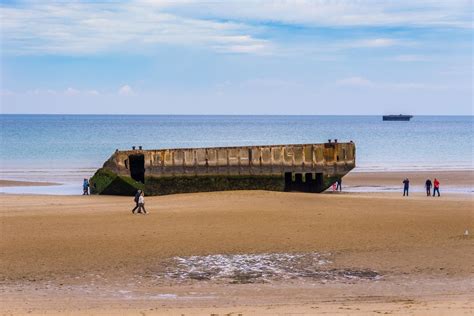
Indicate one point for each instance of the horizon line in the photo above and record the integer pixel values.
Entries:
(191, 114)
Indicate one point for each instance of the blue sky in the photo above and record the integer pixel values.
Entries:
(237, 57)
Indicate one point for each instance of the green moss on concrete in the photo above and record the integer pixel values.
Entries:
(107, 182)
(100, 180)
(188, 184)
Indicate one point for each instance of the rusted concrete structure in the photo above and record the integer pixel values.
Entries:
(305, 167)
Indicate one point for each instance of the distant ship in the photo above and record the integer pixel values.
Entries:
(399, 117)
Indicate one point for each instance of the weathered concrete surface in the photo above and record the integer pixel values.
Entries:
(305, 167)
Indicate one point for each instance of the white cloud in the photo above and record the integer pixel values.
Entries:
(42, 92)
(71, 91)
(355, 81)
(270, 83)
(75, 92)
(91, 92)
(232, 26)
(453, 13)
(89, 28)
(410, 58)
(6, 92)
(366, 83)
(126, 90)
(377, 42)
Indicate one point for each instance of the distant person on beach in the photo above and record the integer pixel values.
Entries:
(141, 203)
(428, 186)
(436, 187)
(406, 186)
(85, 187)
(334, 187)
(339, 184)
(136, 198)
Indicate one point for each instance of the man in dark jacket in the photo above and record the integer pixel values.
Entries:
(428, 186)
(406, 185)
(137, 196)
(339, 184)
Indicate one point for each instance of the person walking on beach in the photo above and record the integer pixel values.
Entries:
(141, 203)
(436, 187)
(428, 186)
(85, 187)
(135, 199)
(406, 185)
(339, 184)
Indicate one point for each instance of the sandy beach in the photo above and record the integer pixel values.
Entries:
(202, 254)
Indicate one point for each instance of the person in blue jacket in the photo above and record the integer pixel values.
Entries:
(85, 187)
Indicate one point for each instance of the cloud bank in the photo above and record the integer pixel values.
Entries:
(81, 28)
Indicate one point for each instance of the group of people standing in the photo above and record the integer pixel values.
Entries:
(428, 186)
(139, 202)
(337, 186)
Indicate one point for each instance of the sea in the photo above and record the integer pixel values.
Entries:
(67, 148)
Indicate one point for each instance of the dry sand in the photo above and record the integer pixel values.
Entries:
(90, 255)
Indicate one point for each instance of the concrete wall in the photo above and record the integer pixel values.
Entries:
(332, 159)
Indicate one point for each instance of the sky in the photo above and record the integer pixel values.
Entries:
(300, 57)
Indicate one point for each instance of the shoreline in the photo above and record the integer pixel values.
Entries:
(453, 182)
(17, 183)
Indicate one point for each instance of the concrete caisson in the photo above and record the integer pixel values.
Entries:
(298, 167)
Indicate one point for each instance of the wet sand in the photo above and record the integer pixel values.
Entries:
(385, 253)
(15, 183)
(451, 179)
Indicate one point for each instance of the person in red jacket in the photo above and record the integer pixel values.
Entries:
(436, 187)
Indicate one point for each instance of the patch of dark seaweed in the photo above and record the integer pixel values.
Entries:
(246, 278)
(200, 276)
(359, 274)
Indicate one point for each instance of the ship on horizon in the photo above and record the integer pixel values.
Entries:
(399, 117)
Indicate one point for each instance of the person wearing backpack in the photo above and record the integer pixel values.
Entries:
(135, 199)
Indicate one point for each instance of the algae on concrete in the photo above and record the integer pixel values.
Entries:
(188, 184)
(107, 182)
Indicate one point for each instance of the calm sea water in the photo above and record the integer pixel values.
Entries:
(66, 148)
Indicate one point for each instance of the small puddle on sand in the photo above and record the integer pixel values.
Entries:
(257, 268)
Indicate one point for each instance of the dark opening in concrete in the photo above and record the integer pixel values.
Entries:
(288, 181)
(137, 167)
(319, 181)
(298, 185)
(309, 182)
